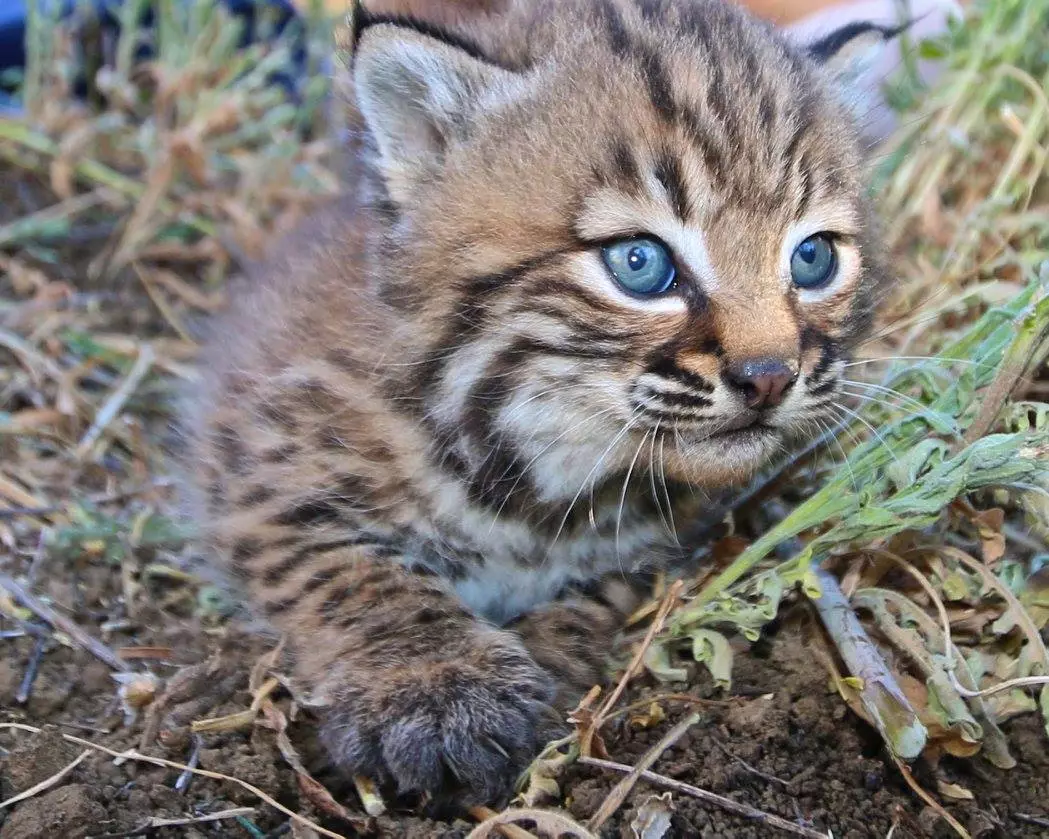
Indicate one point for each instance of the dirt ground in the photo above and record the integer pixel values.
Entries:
(783, 743)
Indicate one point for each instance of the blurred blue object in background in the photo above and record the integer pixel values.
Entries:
(14, 13)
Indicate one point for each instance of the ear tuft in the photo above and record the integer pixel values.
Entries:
(419, 96)
(855, 57)
(859, 41)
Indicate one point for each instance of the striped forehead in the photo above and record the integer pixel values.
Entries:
(723, 98)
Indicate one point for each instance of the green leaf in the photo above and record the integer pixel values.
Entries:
(712, 649)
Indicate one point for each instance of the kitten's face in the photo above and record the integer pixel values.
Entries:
(650, 253)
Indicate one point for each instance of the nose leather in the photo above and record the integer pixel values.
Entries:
(762, 382)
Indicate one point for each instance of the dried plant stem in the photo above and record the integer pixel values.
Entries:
(43, 220)
(549, 821)
(750, 813)
(63, 624)
(509, 831)
(155, 823)
(880, 694)
(45, 785)
(621, 790)
(90, 170)
(928, 799)
(131, 754)
(950, 652)
(670, 599)
(116, 401)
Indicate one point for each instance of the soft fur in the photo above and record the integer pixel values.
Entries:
(435, 418)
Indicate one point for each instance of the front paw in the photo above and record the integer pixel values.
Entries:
(459, 728)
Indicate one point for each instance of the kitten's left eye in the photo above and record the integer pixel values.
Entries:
(814, 262)
(642, 266)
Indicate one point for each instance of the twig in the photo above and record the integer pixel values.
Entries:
(91, 170)
(116, 401)
(509, 831)
(39, 222)
(32, 668)
(45, 785)
(621, 790)
(182, 784)
(1039, 821)
(155, 823)
(880, 694)
(39, 557)
(132, 754)
(63, 624)
(772, 779)
(951, 654)
(28, 512)
(669, 600)
(549, 821)
(728, 804)
(1023, 618)
(928, 799)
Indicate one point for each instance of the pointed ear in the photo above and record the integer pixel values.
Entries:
(419, 96)
(851, 55)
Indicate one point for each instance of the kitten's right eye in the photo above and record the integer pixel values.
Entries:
(641, 266)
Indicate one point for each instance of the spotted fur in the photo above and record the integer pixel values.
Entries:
(435, 419)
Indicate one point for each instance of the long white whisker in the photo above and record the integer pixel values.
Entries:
(627, 426)
(910, 400)
(666, 489)
(652, 476)
(622, 498)
(873, 430)
(889, 358)
(543, 451)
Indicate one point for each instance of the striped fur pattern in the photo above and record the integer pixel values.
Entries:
(435, 421)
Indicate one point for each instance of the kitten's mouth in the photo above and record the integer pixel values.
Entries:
(747, 425)
(746, 429)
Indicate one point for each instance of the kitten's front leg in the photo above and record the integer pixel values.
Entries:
(415, 690)
(572, 638)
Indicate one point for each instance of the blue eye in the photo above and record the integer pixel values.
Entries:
(641, 266)
(814, 262)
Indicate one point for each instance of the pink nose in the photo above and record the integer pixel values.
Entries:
(762, 382)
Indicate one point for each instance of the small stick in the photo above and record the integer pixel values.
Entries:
(131, 754)
(669, 599)
(154, 823)
(45, 785)
(772, 779)
(621, 790)
(928, 799)
(182, 784)
(63, 624)
(35, 657)
(546, 821)
(509, 831)
(728, 804)
(1038, 821)
(880, 694)
(116, 401)
(213, 817)
(39, 556)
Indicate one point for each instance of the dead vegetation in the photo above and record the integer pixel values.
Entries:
(917, 532)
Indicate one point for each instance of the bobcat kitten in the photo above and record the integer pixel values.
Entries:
(596, 257)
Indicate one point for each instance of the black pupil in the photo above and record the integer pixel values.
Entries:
(807, 251)
(637, 258)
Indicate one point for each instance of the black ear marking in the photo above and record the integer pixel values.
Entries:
(857, 32)
(361, 19)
